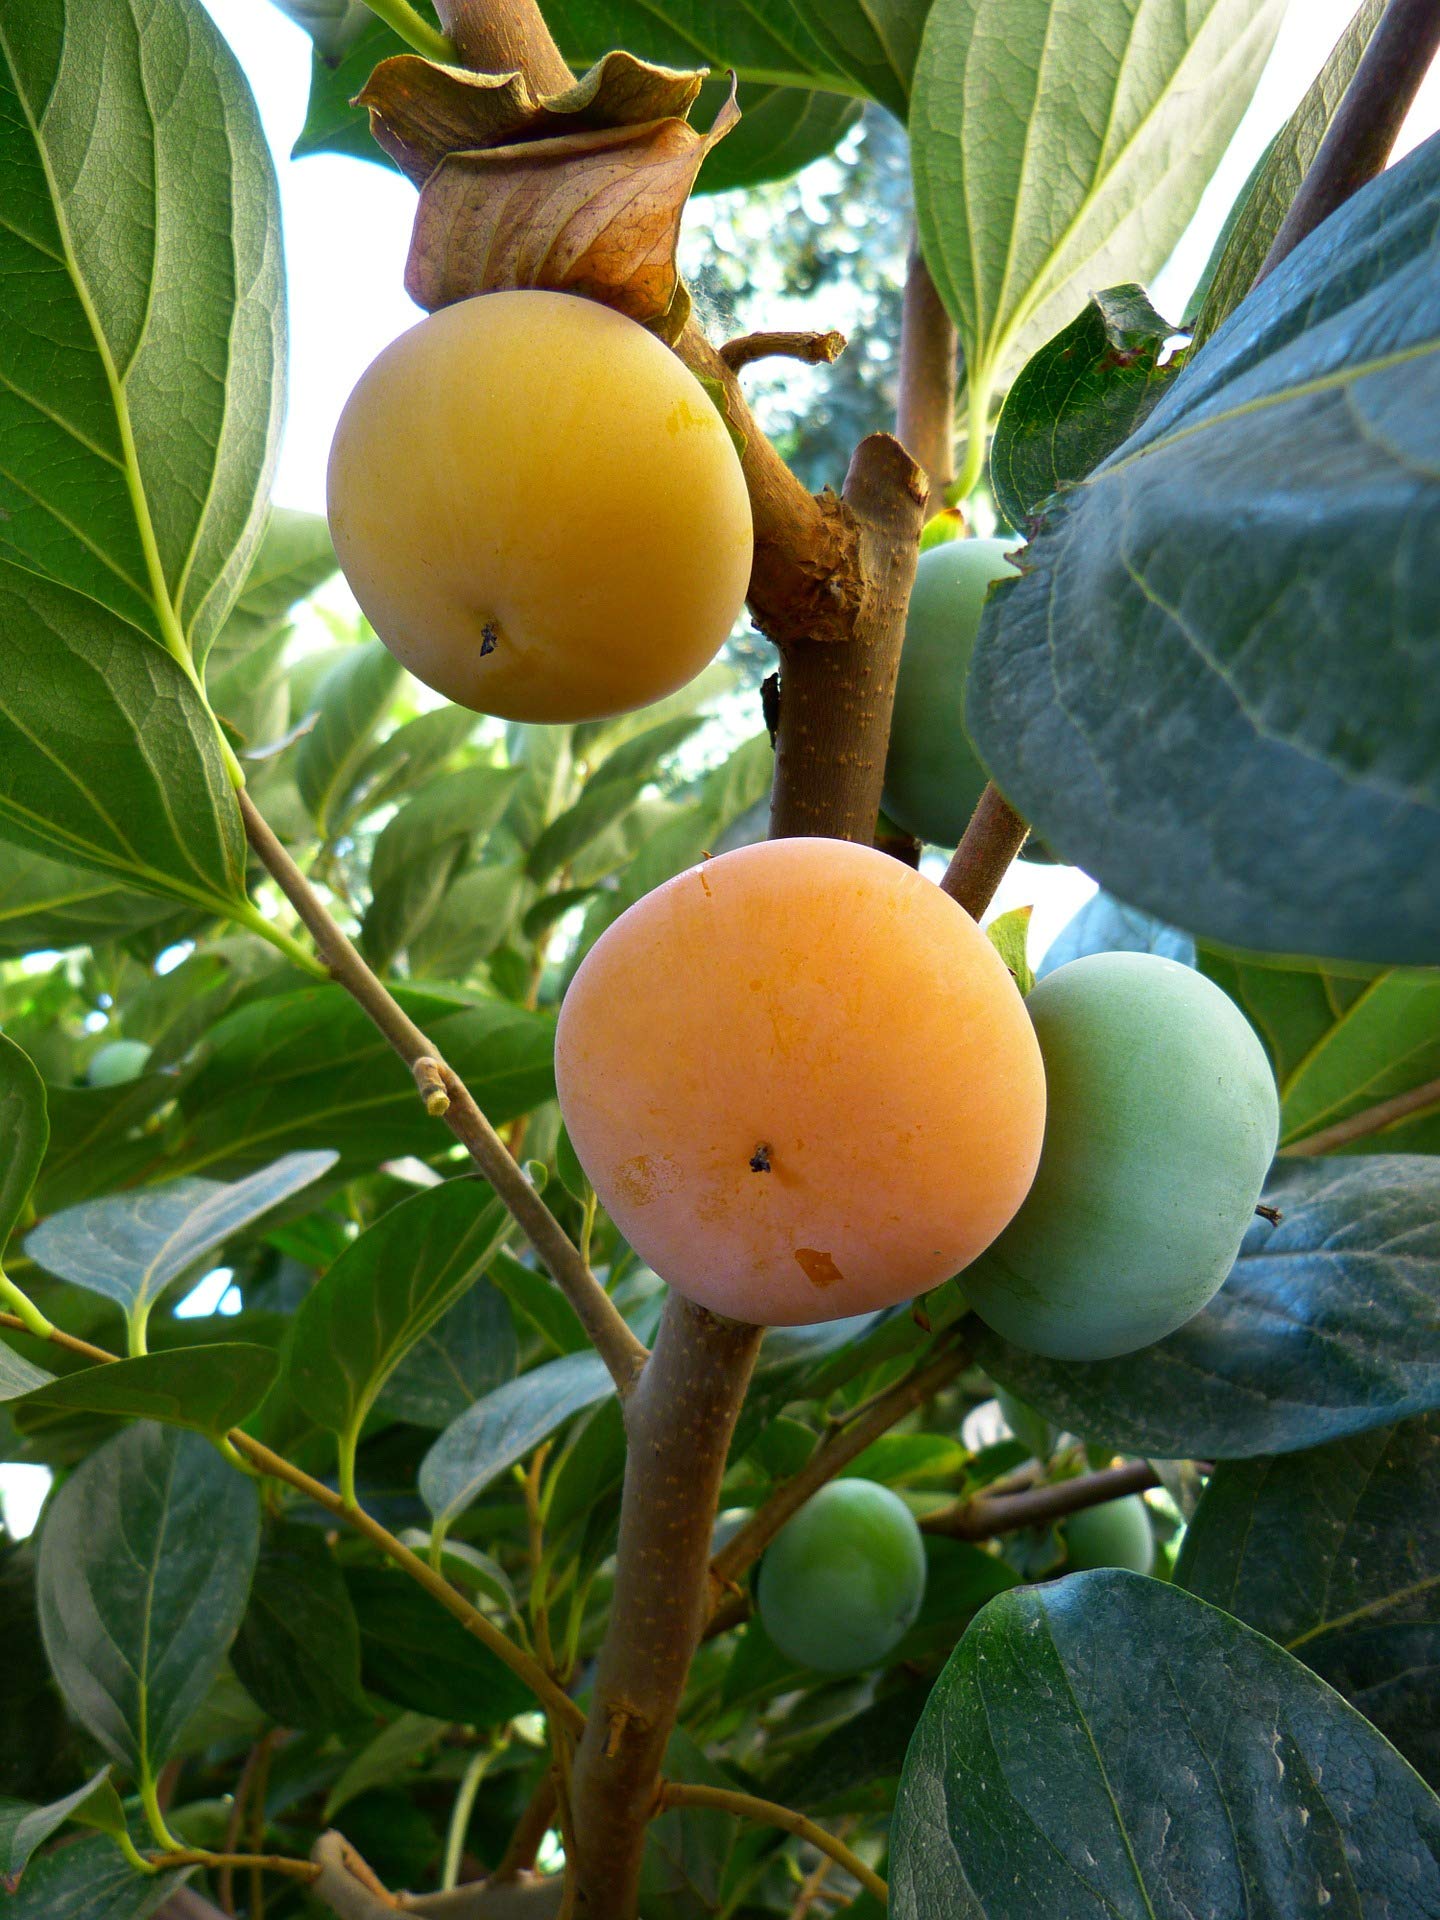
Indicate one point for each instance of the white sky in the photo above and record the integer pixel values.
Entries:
(347, 223)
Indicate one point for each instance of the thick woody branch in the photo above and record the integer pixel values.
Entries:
(1369, 118)
(446, 1096)
(814, 349)
(925, 414)
(508, 38)
(990, 843)
(679, 1421)
(1370, 1120)
(988, 1515)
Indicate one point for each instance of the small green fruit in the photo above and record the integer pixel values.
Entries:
(116, 1062)
(1116, 1534)
(1160, 1127)
(933, 776)
(842, 1583)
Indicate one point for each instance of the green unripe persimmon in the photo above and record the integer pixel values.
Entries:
(1115, 1534)
(116, 1062)
(842, 1582)
(933, 776)
(1160, 1128)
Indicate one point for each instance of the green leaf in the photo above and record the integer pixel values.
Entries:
(1266, 197)
(781, 130)
(419, 1656)
(470, 1350)
(207, 1388)
(108, 757)
(1385, 1042)
(1335, 1555)
(42, 1750)
(610, 792)
(1106, 925)
(142, 319)
(350, 702)
(1291, 1005)
(1274, 661)
(1327, 1326)
(24, 1133)
(1057, 148)
(401, 761)
(389, 1757)
(131, 1246)
(23, 1827)
(385, 1293)
(858, 1763)
(475, 916)
(421, 850)
(297, 1653)
(1034, 1786)
(1009, 934)
(686, 1848)
(45, 903)
(293, 559)
(145, 1562)
(506, 1425)
(1076, 400)
(307, 1068)
(91, 1880)
(535, 1295)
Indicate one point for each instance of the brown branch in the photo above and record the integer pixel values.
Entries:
(1368, 1121)
(1359, 139)
(830, 1458)
(990, 843)
(925, 415)
(512, 38)
(531, 1897)
(530, 1830)
(768, 1813)
(679, 1421)
(617, 1346)
(836, 696)
(257, 1862)
(225, 1886)
(815, 349)
(988, 1515)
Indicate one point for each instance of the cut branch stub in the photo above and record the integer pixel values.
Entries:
(578, 192)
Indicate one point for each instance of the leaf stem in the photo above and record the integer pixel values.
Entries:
(1368, 1121)
(460, 1815)
(154, 1818)
(990, 843)
(179, 1856)
(617, 1346)
(415, 31)
(26, 1311)
(769, 1813)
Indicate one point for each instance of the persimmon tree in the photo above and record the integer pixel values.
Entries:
(430, 1578)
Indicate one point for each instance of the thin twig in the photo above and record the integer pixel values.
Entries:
(1369, 1120)
(257, 1862)
(530, 1831)
(553, 1698)
(990, 843)
(815, 349)
(987, 1515)
(1360, 137)
(226, 1884)
(768, 1813)
(925, 406)
(830, 1458)
(617, 1346)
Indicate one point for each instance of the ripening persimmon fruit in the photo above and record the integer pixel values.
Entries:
(539, 509)
(801, 1081)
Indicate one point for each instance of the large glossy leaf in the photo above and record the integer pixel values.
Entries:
(1266, 197)
(1291, 1006)
(298, 1649)
(419, 1656)
(108, 757)
(468, 1352)
(1106, 925)
(1037, 1784)
(1275, 652)
(91, 1880)
(1386, 1041)
(45, 903)
(132, 1246)
(207, 1388)
(1335, 1555)
(142, 315)
(1062, 145)
(42, 1750)
(385, 1293)
(1076, 400)
(308, 1069)
(503, 1427)
(145, 1562)
(1328, 1325)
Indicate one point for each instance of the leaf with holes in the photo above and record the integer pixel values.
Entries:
(1335, 1555)
(1033, 1786)
(145, 1562)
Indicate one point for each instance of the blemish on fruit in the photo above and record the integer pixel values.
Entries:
(646, 1177)
(489, 639)
(760, 1159)
(818, 1268)
(705, 884)
(682, 414)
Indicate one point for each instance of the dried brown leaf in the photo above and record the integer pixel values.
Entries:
(421, 112)
(595, 213)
